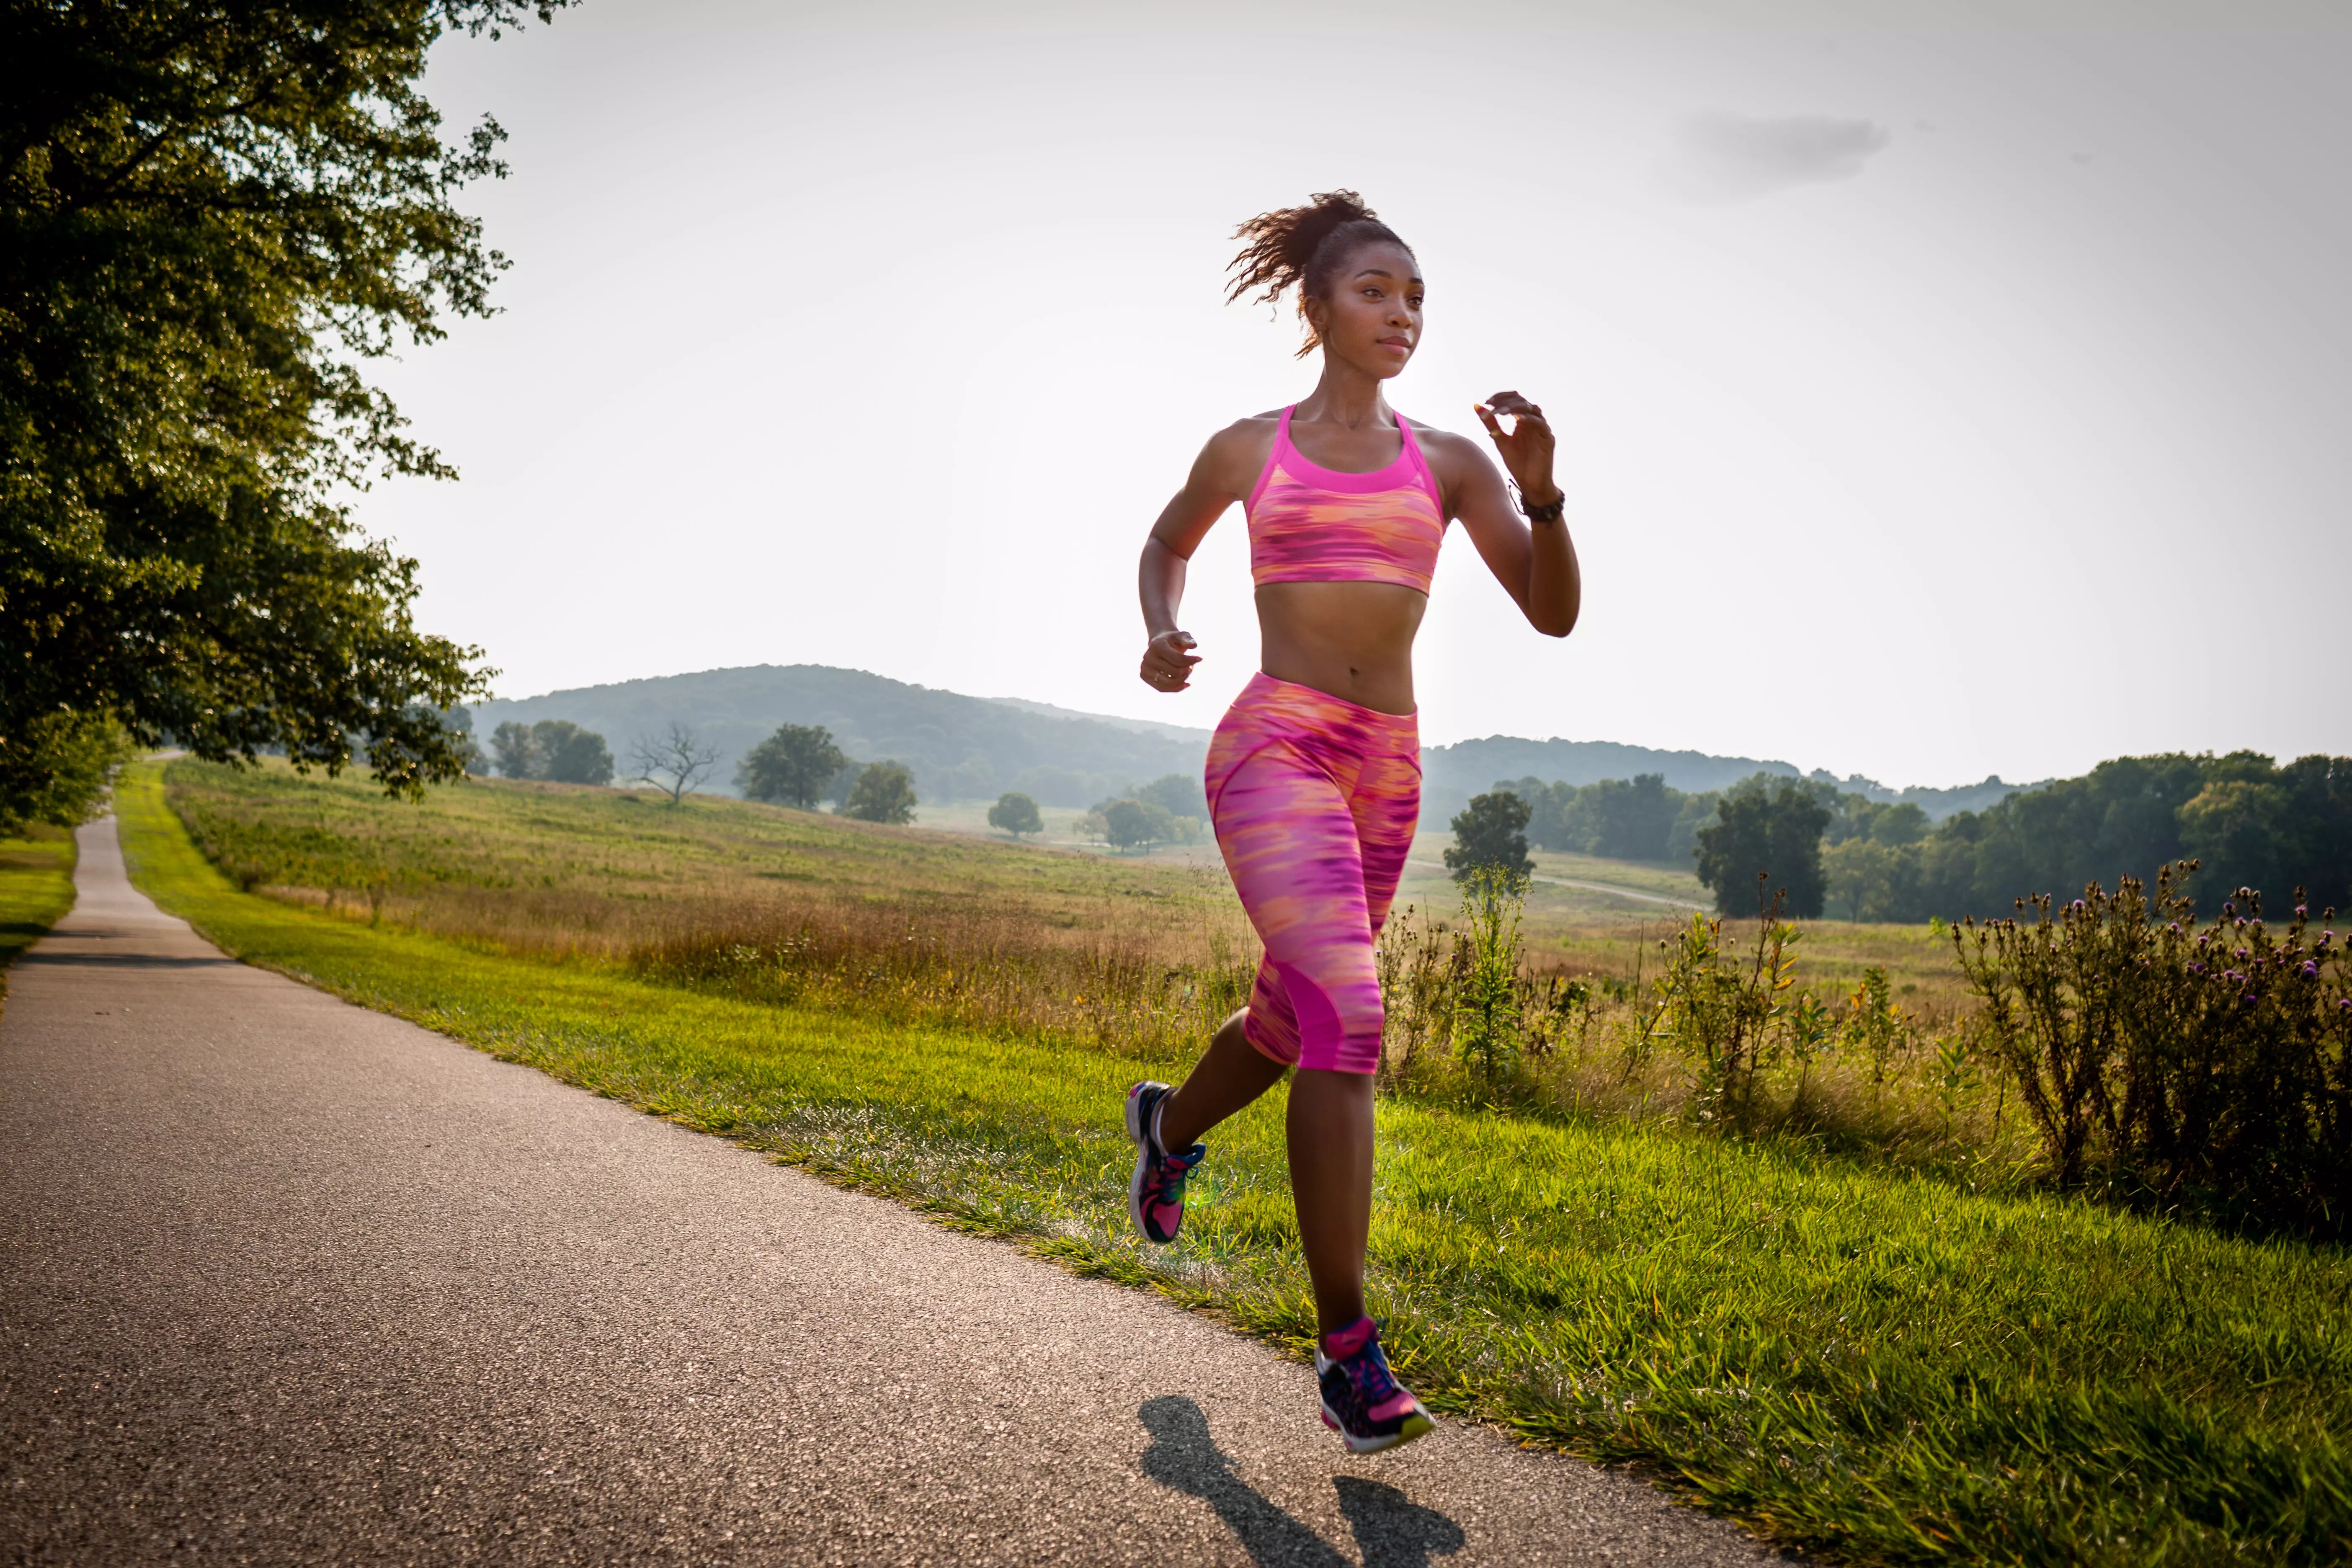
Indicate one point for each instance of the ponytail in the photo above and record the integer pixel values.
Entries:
(1300, 248)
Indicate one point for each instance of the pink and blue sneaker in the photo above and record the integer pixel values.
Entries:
(1363, 1401)
(1155, 1196)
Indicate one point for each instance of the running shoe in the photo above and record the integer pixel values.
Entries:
(1361, 1399)
(1155, 1196)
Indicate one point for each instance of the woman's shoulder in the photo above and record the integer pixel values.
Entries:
(1249, 438)
(1430, 435)
(1444, 449)
(1232, 460)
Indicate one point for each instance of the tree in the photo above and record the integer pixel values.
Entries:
(1491, 833)
(59, 772)
(210, 217)
(884, 792)
(1860, 876)
(1136, 824)
(1178, 794)
(794, 766)
(516, 749)
(675, 763)
(1769, 828)
(1016, 814)
(570, 754)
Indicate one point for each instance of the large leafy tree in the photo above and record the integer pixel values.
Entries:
(794, 766)
(212, 215)
(1491, 835)
(1771, 830)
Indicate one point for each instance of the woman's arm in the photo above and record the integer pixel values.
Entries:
(1535, 563)
(1209, 490)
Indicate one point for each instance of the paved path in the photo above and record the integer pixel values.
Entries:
(1590, 887)
(286, 1281)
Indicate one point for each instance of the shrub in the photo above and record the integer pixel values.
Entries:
(1723, 1011)
(2205, 1067)
(1486, 988)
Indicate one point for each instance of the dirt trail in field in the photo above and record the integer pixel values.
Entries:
(282, 1280)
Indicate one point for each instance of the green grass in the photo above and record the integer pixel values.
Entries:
(36, 889)
(1889, 1367)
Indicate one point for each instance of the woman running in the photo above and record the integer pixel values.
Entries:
(1314, 776)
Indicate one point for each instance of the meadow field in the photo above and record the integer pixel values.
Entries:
(1889, 1362)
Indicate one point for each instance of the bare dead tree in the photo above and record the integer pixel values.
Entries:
(675, 763)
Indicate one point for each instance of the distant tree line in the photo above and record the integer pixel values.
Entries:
(2247, 821)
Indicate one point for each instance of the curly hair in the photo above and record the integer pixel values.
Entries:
(1301, 247)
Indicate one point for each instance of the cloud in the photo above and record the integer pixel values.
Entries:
(1721, 158)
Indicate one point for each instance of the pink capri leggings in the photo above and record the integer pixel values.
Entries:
(1314, 800)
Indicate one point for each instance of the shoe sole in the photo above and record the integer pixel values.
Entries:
(1135, 1130)
(1417, 1425)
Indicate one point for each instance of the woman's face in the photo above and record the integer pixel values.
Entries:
(1370, 315)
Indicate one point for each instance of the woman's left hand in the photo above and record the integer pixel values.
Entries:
(1527, 446)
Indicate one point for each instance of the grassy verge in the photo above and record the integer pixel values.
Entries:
(1890, 1367)
(36, 889)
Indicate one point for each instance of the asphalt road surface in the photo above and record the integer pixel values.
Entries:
(286, 1281)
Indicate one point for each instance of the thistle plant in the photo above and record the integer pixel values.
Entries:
(2213, 1065)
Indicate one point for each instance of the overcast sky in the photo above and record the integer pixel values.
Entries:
(1943, 390)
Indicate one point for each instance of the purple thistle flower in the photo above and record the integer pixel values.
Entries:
(2247, 997)
(2300, 911)
(2174, 928)
(2228, 908)
(2310, 970)
(2241, 952)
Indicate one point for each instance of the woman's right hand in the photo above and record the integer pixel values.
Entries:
(1167, 666)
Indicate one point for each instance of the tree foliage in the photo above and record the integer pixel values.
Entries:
(1767, 830)
(1136, 824)
(60, 771)
(1490, 834)
(2248, 821)
(1643, 819)
(794, 766)
(556, 750)
(884, 792)
(211, 217)
(1178, 794)
(1016, 814)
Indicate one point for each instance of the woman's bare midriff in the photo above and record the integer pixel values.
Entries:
(1351, 640)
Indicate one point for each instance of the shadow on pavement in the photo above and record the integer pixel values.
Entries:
(36, 958)
(1391, 1530)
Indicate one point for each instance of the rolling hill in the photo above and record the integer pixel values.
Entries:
(972, 748)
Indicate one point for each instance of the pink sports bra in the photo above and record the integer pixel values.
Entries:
(1309, 524)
